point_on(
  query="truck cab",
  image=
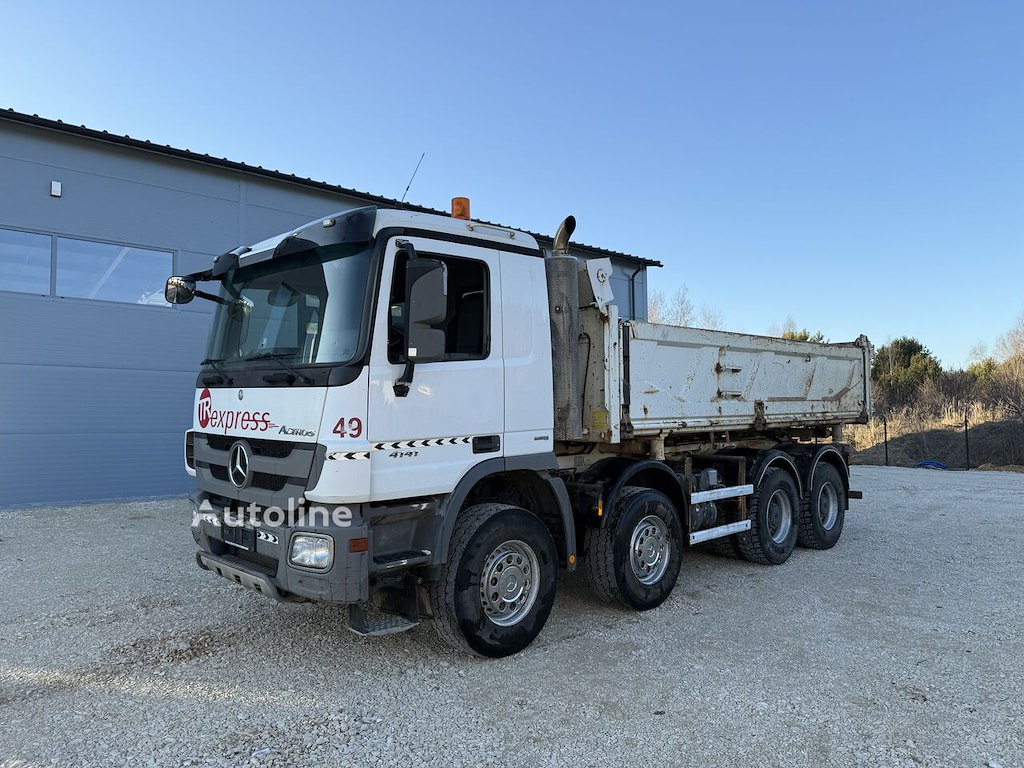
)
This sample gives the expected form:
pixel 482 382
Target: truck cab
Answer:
pixel 333 418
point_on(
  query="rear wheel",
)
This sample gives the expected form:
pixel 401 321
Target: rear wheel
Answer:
pixel 497 588
pixel 725 546
pixel 774 518
pixel 635 558
pixel 824 511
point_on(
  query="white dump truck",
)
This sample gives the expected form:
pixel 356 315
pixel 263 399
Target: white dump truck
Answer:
pixel 425 416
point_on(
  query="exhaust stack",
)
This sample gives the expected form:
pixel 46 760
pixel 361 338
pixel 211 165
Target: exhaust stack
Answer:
pixel 562 235
pixel 562 272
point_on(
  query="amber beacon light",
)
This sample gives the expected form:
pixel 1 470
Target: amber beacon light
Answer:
pixel 460 208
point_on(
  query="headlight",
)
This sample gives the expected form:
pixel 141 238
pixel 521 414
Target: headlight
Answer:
pixel 310 550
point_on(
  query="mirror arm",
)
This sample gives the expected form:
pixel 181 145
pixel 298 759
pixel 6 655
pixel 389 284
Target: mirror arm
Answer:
pixel 403 382
pixel 200 277
pixel 211 297
pixel 406 246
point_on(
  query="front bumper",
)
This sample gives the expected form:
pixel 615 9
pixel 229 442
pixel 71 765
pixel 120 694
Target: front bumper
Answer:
pixel 264 566
pixel 233 569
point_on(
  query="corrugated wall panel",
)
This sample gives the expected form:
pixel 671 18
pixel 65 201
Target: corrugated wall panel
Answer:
pixel 88 467
pixel 37 331
pixel 59 400
pixel 95 206
pixel 94 398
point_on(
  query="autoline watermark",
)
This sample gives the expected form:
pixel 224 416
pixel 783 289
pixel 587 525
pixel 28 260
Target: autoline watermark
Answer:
pixel 255 516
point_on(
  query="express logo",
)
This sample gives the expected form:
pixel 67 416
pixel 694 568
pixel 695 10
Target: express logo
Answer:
pixel 205 408
pixel 210 417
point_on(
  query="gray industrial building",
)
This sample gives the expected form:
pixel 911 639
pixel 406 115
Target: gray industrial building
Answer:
pixel 98 373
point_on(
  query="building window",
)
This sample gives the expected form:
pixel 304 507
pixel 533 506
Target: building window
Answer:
pixel 24 262
pixel 90 270
pixel 85 269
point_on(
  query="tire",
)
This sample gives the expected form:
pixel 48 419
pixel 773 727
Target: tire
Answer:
pixel 824 511
pixel 774 520
pixel 512 549
pixel 635 558
pixel 725 546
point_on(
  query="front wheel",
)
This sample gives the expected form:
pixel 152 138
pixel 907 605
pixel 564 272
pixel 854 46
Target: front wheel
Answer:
pixel 635 558
pixel 498 586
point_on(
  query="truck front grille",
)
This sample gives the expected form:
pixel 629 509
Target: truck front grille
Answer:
pixel 280 470
pixel 263 480
pixel 277 449
pixel 268 481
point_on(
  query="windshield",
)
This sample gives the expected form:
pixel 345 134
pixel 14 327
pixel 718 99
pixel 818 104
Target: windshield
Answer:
pixel 301 309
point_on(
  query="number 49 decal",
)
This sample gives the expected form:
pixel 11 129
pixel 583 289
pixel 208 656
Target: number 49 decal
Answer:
pixel 348 427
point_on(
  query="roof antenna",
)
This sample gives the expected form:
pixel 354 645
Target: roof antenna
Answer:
pixel 400 202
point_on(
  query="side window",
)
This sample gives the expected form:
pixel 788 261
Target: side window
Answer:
pixel 467 325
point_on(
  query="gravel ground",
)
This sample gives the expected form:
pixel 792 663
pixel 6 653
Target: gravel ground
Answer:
pixel 900 647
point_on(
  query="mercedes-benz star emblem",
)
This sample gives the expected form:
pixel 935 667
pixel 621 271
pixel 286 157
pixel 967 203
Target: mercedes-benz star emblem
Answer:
pixel 238 465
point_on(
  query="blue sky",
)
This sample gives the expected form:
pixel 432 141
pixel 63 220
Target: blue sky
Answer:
pixel 857 166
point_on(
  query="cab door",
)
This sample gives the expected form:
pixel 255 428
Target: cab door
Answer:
pixel 453 415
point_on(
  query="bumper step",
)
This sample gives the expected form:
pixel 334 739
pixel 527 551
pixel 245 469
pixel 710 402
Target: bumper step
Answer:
pixel 395 560
pixel 383 625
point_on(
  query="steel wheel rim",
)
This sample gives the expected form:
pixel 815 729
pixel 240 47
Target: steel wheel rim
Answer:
pixel 780 516
pixel 509 582
pixel 649 550
pixel 828 506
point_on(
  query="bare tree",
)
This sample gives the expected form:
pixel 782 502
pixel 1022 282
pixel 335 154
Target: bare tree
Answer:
pixel 1010 371
pixel 1011 344
pixel 978 353
pixel 656 307
pixel 677 310
pixel 711 318
pixel 1010 385
pixel 680 308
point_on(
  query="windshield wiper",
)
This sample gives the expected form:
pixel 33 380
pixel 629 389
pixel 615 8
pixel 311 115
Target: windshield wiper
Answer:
pixel 213 363
pixel 276 357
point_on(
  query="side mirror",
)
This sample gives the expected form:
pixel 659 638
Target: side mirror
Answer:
pixel 426 301
pixel 179 290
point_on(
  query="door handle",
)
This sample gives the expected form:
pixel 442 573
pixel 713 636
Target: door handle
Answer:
pixel 486 444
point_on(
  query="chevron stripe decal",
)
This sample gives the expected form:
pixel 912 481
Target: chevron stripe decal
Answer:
pixel 430 442
pixel 399 445
pixel 264 536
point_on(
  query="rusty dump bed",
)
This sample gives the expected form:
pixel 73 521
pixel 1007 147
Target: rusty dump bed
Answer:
pixel 674 380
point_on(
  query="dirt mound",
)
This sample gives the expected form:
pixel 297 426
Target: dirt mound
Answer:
pixel 995 444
